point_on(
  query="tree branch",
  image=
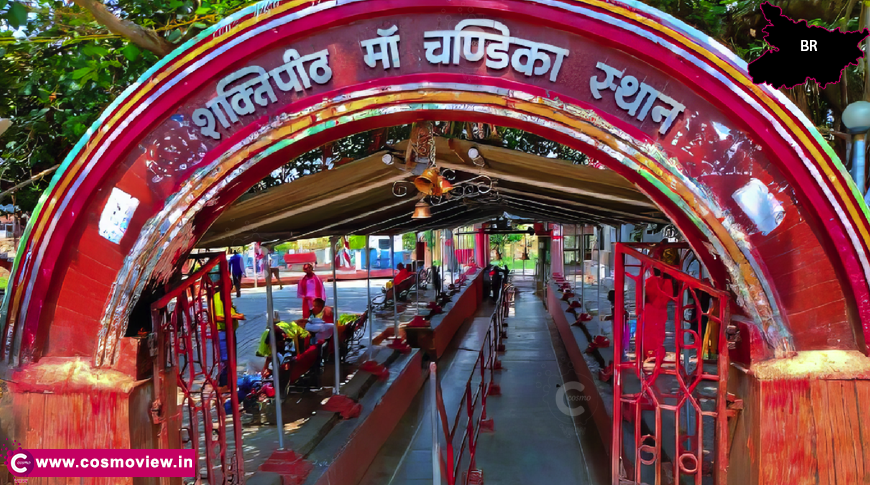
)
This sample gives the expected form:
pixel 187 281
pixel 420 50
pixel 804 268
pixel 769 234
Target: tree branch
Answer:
pixel 27 182
pixel 142 37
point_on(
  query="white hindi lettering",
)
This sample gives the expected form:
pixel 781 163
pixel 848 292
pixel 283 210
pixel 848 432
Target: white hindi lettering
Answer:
pixel 532 58
pixel 630 86
pixel 255 88
pixel 388 45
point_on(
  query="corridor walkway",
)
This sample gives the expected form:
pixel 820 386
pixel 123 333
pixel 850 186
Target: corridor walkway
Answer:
pixel 542 434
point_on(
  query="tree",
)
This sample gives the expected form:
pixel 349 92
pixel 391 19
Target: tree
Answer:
pixel 409 241
pixel 62 64
pixel 499 241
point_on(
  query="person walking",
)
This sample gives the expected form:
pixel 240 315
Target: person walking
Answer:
pixel 310 287
pixel 237 270
pixel 275 268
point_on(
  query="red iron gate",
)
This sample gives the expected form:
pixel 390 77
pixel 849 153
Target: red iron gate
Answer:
pixel 190 404
pixel 670 402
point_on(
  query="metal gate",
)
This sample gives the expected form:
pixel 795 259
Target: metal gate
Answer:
pixel 669 398
pixel 196 402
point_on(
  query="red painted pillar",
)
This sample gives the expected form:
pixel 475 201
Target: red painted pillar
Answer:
pixel 556 256
pixel 481 247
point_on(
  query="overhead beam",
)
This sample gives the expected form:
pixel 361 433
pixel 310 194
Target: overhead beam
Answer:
pixel 285 214
pixel 552 185
pixel 504 190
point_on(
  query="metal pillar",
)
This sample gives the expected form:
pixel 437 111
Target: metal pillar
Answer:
pixel 576 260
pixel 583 267
pixel 335 335
pixel 436 447
pixel 417 271
pixel 256 273
pixel 858 161
pixel 598 291
pixel 393 268
pixel 270 321
pixel 369 294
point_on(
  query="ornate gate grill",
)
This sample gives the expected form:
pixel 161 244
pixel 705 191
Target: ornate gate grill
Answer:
pixel 188 366
pixel 670 403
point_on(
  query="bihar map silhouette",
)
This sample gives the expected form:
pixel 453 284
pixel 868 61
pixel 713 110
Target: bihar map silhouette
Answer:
pixel 803 52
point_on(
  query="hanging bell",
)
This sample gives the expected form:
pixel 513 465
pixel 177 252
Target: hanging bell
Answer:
pixel 421 211
pixel 427 182
pixel 525 256
pixel 444 186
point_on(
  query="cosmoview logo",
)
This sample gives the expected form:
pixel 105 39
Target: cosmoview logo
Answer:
pixel 20 463
pixel 563 400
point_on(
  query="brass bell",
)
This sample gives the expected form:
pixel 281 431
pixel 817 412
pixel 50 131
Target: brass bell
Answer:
pixel 427 182
pixel 421 211
pixel 430 182
pixel 444 186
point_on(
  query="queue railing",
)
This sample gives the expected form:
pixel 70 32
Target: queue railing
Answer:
pixel 449 462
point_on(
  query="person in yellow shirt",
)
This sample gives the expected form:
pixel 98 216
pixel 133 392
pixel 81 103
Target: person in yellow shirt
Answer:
pixel 222 334
pixel 285 331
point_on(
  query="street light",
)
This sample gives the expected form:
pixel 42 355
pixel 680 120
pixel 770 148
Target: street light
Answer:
pixel 856 118
pixel 5 123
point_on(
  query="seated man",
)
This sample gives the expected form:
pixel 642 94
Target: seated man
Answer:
pixel 291 331
pixel 321 322
pixel 402 275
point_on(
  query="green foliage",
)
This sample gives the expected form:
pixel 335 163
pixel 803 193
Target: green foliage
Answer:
pixel 538 145
pixel 409 241
pixel 59 69
pixel 284 247
pixel 498 241
pixel 356 242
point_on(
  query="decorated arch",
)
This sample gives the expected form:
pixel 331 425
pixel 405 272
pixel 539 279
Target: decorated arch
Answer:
pixel 749 182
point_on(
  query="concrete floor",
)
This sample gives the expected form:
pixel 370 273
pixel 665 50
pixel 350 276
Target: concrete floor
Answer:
pixel 536 440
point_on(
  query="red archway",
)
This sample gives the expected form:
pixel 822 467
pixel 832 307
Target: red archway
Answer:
pixel 752 185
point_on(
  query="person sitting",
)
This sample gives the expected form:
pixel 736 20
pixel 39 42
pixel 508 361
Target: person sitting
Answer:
pixel 321 322
pixel 286 331
pixel 403 274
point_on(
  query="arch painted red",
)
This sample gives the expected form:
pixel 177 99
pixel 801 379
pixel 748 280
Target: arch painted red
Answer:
pixel 798 268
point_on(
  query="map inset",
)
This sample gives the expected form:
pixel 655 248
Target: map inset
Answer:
pixel 803 52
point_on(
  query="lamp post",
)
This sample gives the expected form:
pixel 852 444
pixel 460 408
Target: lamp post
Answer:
pixel 856 119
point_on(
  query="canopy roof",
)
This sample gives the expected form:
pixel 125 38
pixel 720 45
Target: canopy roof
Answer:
pixel 358 198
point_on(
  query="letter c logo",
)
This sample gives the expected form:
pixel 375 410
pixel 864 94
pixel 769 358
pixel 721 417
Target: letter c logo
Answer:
pixel 13 463
pixel 21 463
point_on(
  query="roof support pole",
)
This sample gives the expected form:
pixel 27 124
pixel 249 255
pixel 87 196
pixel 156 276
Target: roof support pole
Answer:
pixel 273 343
pixel 393 268
pixel 371 315
pixel 583 267
pixel 417 271
pixel 576 261
pixel 599 241
pixel 333 240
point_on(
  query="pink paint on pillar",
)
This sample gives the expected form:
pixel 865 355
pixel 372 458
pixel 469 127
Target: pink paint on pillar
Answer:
pixel 481 255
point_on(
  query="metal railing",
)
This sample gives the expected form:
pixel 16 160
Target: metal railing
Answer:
pixel 670 400
pixel 186 348
pixel 449 462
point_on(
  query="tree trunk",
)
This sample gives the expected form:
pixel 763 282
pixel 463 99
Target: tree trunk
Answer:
pixel 798 96
pixel 142 37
